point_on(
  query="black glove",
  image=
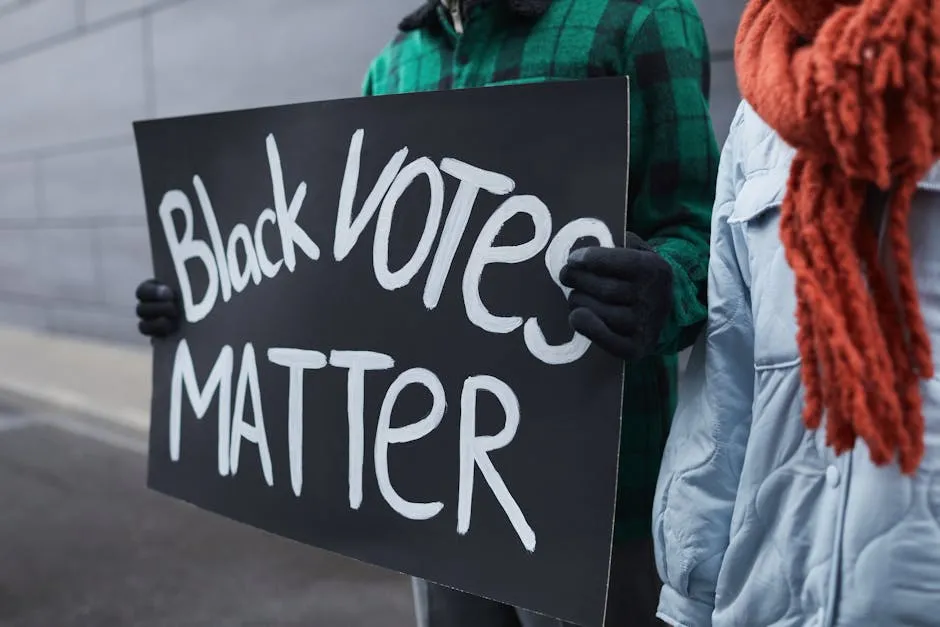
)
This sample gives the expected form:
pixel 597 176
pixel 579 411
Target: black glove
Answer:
pixel 157 309
pixel 621 297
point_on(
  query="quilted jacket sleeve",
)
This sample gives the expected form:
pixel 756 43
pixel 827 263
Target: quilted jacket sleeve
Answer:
pixel 705 451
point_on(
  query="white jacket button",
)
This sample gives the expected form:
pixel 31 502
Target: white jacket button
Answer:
pixel 832 476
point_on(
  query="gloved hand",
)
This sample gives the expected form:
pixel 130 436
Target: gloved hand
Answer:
pixel 157 309
pixel 621 297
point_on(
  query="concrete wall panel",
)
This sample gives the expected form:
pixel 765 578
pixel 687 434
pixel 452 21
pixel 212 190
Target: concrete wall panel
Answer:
pixel 721 19
pixel 125 262
pixel 266 53
pixel 20 266
pixel 97 10
pixel 18 187
pixel 108 325
pixel 67 263
pixel 34 22
pixel 83 89
pixel 21 314
pixel 102 182
pixel 725 98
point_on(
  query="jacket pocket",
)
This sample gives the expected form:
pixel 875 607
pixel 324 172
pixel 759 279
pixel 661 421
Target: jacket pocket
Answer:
pixel 756 220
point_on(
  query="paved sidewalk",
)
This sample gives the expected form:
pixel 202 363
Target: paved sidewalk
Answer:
pixel 100 380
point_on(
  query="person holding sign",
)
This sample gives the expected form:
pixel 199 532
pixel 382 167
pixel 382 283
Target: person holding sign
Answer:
pixel 800 484
pixel 643 302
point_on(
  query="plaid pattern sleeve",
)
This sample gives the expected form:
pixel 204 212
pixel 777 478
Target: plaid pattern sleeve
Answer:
pixel 674 156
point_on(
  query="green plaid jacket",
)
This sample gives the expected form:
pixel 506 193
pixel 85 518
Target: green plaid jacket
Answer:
pixel 661 45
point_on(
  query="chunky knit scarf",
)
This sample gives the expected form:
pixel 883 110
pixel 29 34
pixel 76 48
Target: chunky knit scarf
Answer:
pixel 854 87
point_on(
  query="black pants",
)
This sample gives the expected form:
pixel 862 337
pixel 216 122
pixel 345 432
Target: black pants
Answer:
pixel 634 595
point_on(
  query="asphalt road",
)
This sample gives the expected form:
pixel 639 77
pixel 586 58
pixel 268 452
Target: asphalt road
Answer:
pixel 83 543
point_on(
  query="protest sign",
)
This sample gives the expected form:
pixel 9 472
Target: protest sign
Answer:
pixel 375 357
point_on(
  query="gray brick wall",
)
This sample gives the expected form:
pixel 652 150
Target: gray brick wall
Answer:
pixel 721 21
pixel 74 74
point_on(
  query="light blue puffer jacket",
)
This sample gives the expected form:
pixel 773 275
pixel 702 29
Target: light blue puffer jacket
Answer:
pixel 756 522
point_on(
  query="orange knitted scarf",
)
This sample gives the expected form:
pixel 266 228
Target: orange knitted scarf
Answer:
pixel 854 87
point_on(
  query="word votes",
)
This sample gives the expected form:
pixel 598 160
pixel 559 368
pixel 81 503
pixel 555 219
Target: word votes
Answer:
pixel 221 259
pixel 233 429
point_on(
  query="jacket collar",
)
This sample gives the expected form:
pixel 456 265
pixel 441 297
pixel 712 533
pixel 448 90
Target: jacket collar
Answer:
pixel 426 15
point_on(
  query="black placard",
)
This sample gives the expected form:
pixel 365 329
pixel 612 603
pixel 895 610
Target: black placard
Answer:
pixel 384 358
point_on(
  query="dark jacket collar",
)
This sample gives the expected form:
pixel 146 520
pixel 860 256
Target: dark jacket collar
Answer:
pixel 427 15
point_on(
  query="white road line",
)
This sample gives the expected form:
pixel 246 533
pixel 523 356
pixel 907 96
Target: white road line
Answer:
pixel 14 423
pixel 69 401
pixel 96 430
